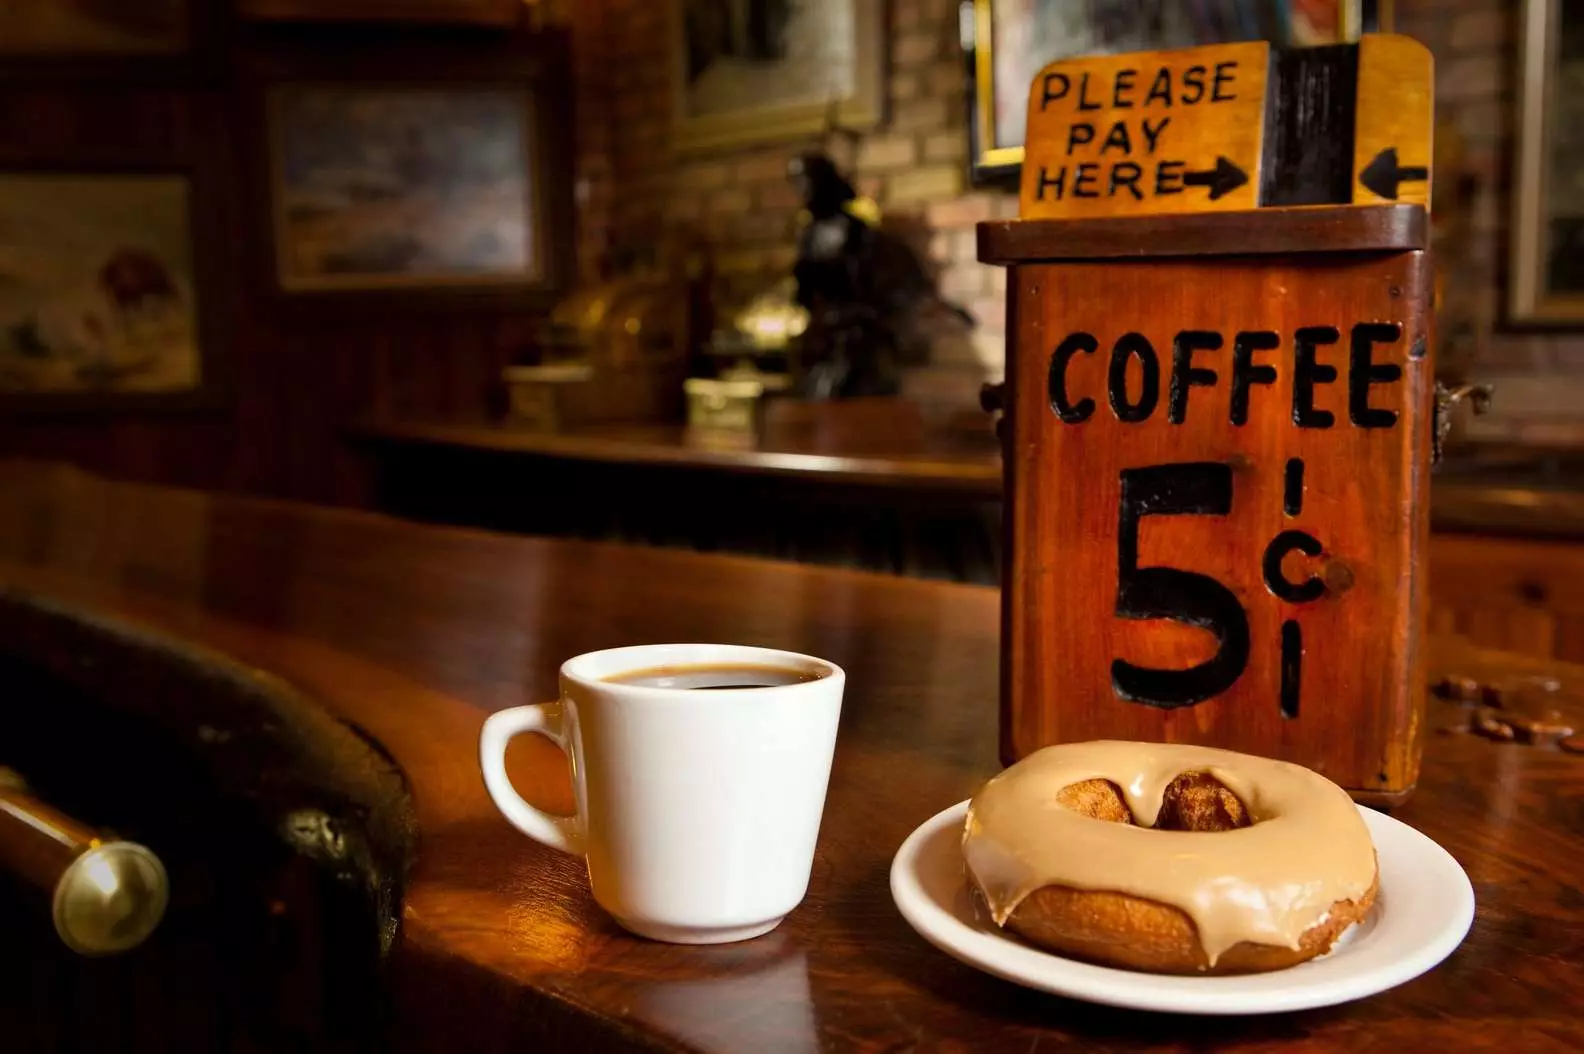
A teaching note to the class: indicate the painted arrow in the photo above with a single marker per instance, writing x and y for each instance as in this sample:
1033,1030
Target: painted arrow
1223,179
1383,174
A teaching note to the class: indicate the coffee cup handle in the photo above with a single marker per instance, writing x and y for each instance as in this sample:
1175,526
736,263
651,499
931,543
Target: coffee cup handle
559,832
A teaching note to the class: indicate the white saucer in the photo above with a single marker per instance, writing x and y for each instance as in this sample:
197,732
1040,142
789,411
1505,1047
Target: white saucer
1422,912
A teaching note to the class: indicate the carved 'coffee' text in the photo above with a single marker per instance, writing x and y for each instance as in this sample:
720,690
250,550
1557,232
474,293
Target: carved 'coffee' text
1134,392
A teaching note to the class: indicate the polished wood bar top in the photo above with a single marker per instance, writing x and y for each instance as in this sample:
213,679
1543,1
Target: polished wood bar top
953,464
411,635
1500,491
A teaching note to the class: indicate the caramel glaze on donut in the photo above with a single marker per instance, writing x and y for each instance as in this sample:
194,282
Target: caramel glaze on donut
1251,865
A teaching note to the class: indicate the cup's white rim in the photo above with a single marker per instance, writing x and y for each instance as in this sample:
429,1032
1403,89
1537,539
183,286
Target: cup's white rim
643,656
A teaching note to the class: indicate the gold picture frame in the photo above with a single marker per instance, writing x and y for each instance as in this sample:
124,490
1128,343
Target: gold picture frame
993,160
1533,294
733,118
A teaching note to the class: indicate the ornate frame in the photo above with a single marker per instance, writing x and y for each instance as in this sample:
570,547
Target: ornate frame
1530,301
527,69
777,123
203,231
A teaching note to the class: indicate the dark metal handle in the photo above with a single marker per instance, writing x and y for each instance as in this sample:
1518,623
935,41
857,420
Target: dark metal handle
992,400
1446,401
992,397
107,895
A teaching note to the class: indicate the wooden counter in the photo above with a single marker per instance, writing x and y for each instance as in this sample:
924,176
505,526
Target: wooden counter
408,636
958,465
1504,491
855,486
1505,564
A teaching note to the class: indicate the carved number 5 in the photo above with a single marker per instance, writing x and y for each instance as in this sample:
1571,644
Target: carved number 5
1203,488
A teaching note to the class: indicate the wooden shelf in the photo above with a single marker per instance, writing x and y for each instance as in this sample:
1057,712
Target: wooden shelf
956,465
1498,491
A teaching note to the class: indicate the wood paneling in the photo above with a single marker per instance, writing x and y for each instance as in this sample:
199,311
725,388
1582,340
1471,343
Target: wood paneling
1512,593
292,374
451,12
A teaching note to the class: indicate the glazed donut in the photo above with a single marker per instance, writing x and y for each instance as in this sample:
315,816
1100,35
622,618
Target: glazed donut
1169,858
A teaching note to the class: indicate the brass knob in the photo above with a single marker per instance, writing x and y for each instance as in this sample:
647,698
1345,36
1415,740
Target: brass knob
110,899
107,895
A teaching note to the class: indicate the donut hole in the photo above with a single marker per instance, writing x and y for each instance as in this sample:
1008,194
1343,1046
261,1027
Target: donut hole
1197,801
1097,799
1194,801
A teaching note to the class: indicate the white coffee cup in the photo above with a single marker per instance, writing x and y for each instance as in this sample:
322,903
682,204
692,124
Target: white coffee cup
697,810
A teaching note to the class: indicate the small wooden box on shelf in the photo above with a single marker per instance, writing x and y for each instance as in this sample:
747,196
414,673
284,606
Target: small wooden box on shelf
1218,406
611,351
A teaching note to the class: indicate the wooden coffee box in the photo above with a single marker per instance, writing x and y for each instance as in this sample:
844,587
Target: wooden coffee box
1218,406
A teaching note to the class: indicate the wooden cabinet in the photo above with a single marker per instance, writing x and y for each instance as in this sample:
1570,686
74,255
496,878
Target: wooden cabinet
1512,593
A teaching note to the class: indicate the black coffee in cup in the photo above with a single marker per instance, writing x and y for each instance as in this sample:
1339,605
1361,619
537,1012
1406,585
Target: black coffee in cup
714,676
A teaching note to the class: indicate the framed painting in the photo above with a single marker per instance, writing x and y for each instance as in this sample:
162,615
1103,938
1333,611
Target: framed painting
405,186
99,291
759,71
1313,23
1547,244
93,28
1011,40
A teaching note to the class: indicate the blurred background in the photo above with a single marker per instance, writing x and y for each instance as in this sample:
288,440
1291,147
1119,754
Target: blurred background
708,264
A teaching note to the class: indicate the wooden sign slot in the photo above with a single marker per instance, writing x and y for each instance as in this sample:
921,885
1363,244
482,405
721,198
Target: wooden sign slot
1310,113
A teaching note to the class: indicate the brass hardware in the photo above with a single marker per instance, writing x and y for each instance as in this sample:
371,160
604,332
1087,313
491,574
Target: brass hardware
107,895
728,404
110,899
773,319
1446,401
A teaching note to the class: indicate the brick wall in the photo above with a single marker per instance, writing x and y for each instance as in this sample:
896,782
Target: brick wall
739,205
1539,377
